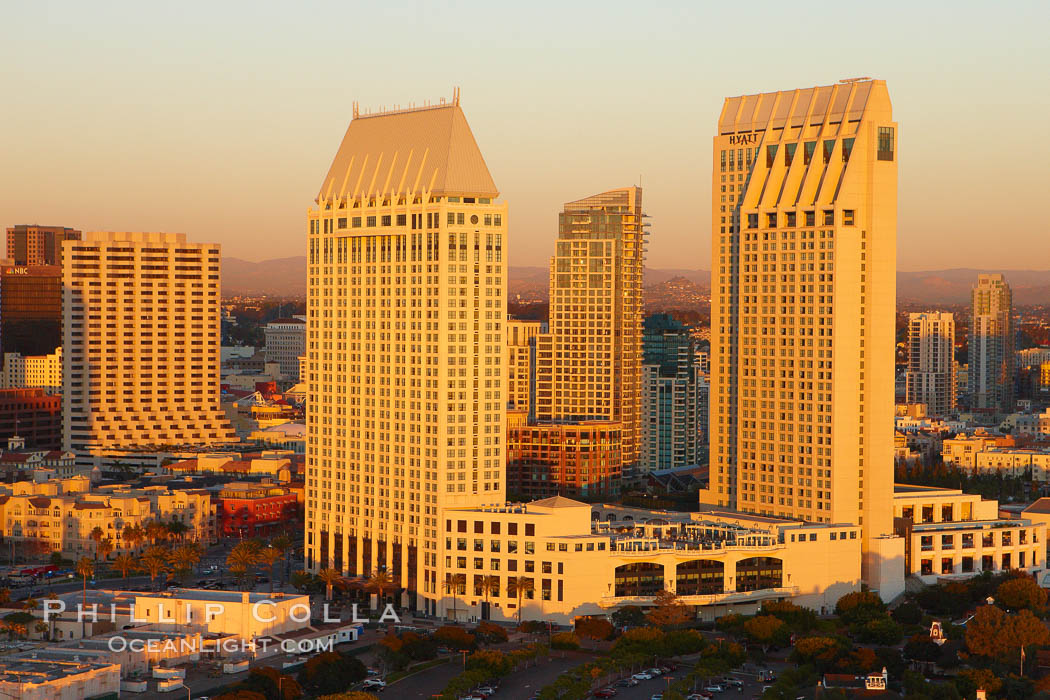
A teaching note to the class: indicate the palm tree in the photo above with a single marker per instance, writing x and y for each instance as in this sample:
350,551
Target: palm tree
85,568
177,529
330,577
184,559
30,603
451,586
124,563
97,534
133,535
490,584
268,557
243,558
155,531
42,629
282,543
522,584
105,548
154,562
379,581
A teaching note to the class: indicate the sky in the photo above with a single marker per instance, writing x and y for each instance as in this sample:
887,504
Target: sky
220,119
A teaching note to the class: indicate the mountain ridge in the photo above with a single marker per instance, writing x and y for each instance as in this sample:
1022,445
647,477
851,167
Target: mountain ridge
287,277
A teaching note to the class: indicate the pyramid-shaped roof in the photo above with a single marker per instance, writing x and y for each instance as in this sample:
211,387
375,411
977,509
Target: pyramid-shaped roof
408,152
558,502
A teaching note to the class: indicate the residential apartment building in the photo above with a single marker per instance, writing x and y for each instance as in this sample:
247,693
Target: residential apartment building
991,346
61,514
949,534
32,371
804,211
931,362
141,342
256,510
589,365
30,309
521,364
548,459
406,352
962,450
674,397
285,344
32,244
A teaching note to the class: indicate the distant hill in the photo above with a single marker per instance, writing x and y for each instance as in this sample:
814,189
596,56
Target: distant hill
287,277
953,286
280,277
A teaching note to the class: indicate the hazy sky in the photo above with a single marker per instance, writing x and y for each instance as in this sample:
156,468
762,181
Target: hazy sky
220,119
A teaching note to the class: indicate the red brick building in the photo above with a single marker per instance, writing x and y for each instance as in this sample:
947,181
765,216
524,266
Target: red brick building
568,459
33,415
255,510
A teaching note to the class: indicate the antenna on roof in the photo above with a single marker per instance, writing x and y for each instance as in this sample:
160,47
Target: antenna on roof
854,80
357,110
455,96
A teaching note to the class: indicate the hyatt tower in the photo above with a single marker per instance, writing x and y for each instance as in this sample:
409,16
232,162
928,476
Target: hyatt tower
804,229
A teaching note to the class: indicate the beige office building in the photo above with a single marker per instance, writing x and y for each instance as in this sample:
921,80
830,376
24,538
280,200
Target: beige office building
930,378
590,363
43,371
405,342
140,342
804,210
521,363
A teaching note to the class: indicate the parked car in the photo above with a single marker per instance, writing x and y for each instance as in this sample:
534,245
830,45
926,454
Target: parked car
627,682
375,684
605,693
714,688
656,671
657,696
643,676
486,690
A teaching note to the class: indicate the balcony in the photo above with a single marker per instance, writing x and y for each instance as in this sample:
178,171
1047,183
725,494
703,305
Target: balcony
729,598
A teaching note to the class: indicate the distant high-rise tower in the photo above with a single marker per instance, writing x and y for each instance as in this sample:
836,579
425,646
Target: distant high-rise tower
991,346
30,309
405,349
674,396
804,240
29,244
140,350
931,362
590,363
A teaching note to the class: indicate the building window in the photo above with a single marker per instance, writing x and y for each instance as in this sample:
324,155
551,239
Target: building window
771,220
790,219
885,143
752,220
789,153
811,218
771,155
829,220
847,149
847,217
807,151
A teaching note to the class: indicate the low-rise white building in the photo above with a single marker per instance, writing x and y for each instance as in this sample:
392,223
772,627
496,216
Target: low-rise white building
950,534
25,677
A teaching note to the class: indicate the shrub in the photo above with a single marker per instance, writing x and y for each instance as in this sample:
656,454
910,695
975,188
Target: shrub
454,637
565,640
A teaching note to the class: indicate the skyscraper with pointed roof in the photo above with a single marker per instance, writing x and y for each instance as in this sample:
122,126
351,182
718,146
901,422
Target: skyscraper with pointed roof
405,348
804,241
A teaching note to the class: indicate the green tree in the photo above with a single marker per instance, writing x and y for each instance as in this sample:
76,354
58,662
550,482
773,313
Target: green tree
766,630
593,627
859,607
668,611
330,672
85,569
1021,593
628,616
243,559
994,634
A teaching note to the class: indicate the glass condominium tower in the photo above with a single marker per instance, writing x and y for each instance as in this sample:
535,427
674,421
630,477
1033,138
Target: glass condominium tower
804,217
405,348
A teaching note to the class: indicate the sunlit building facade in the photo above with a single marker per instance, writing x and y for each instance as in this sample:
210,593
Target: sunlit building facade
589,365
991,347
141,342
931,362
405,346
804,209
521,363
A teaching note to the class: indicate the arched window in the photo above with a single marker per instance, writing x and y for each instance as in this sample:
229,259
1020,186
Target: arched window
700,577
757,573
641,579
